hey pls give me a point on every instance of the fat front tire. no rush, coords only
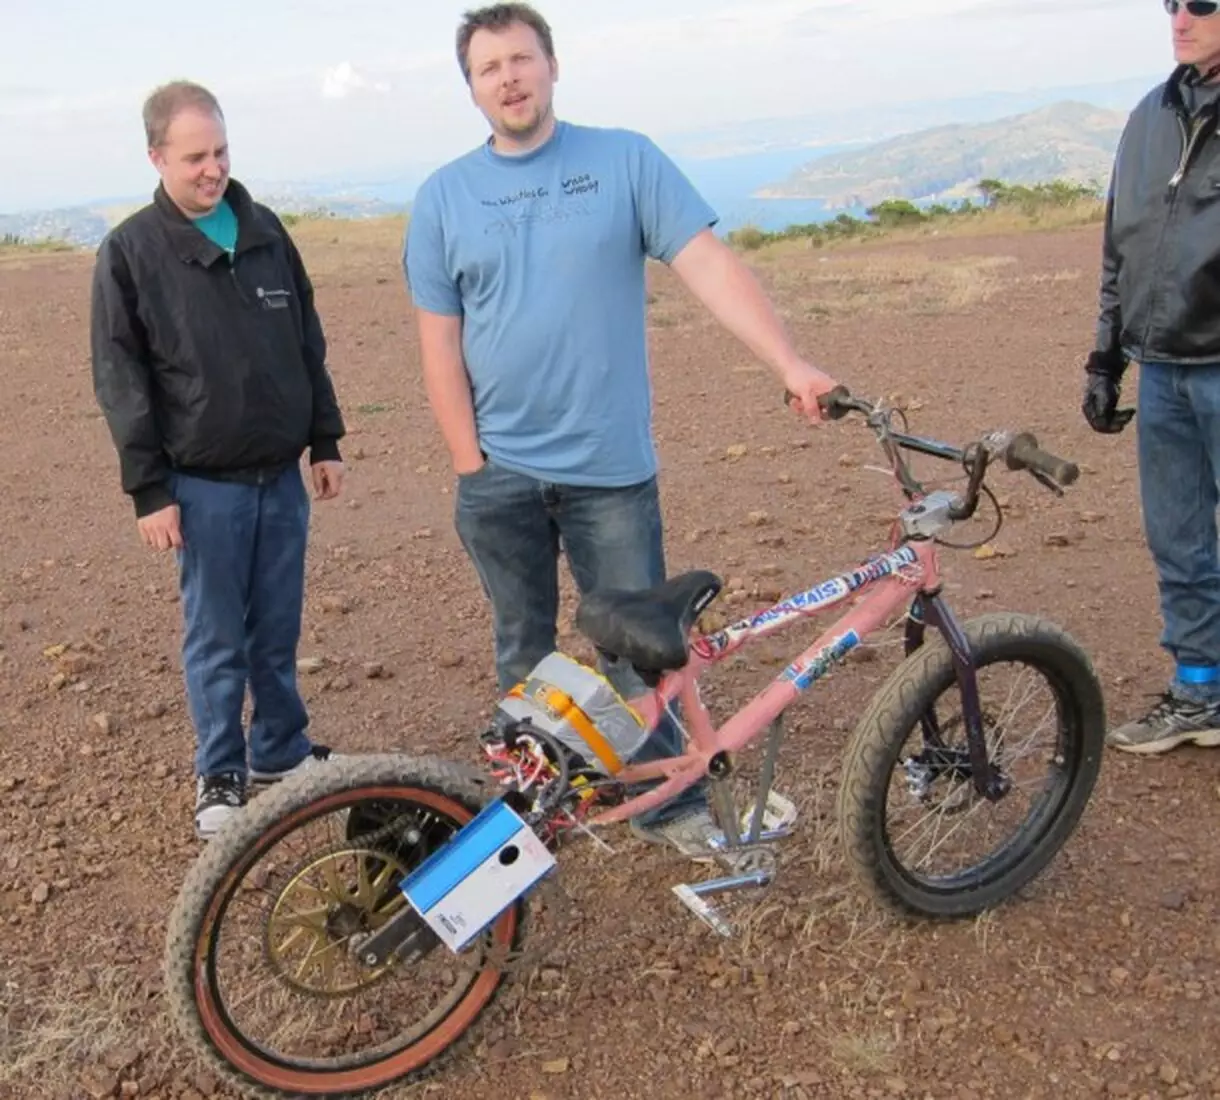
(912, 689)
(447, 790)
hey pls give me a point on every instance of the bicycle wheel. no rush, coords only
(919, 706)
(300, 894)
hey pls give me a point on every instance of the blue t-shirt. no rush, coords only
(220, 226)
(543, 256)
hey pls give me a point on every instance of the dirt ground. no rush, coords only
(1102, 979)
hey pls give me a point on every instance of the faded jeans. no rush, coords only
(242, 578)
(514, 526)
(1179, 460)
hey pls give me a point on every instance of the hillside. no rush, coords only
(85, 226)
(1068, 141)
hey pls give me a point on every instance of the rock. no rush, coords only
(985, 552)
(309, 665)
(205, 1084)
(1168, 1073)
(1174, 899)
(74, 663)
(335, 605)
(737, 450)
(154, 710)
(423, 533)
(374, 670)
(758, 518)
(99, 1082)
(449, 659)
(41, 894)
(555, 1066)
(105, 724)
(1057, 538)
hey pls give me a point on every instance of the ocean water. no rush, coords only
(728, 183)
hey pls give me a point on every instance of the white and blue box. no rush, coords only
(486, 866)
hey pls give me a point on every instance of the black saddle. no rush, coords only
(649, 628)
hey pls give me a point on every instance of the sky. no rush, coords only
(329, 89)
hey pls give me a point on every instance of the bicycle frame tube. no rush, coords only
(881, 588)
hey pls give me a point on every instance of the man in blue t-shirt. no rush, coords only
(525, 259)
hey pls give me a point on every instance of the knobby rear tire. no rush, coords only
(242, 843)
(887, 724)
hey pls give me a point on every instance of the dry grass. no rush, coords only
(833, 286)
(988, 222)
(59, 1038)
(341, 247)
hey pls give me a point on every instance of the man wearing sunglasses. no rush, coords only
(1160, 308)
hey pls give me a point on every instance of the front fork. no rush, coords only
(929, 609)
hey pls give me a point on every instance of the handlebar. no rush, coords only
(1019, 450)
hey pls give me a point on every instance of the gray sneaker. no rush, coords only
(1170, 723)
(318, 754)
(692, 834)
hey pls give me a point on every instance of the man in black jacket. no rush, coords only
(209, 363)
(1160, 308)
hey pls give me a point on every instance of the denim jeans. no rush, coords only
(1179, 460)
(242, 579)
(514, 526)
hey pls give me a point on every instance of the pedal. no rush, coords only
(779, 815)
(703, 910)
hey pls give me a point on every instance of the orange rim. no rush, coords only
(234, 1049)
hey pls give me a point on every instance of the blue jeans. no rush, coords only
(1179, 460)
(513, 528)
(242, 578)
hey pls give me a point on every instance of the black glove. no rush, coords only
(1100, 406)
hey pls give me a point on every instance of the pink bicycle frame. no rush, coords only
(879, 589)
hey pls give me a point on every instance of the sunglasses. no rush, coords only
(1200, 9)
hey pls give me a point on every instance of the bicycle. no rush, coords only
(446, 877)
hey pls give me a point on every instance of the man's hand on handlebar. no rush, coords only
(805, 385)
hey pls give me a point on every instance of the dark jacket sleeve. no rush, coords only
(328, 427)
(1109, 322)
(122, 381)
(1107, 350)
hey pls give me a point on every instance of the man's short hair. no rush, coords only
(164, 104)
(499, 17)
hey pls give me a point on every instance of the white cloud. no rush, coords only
(343, 79)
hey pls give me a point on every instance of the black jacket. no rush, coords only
(1160, 285)
(202, 365)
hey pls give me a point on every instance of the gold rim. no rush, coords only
(322, 915)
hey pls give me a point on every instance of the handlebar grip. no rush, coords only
(1024, 453)
(836, 404)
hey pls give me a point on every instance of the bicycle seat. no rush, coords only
(649, 628)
